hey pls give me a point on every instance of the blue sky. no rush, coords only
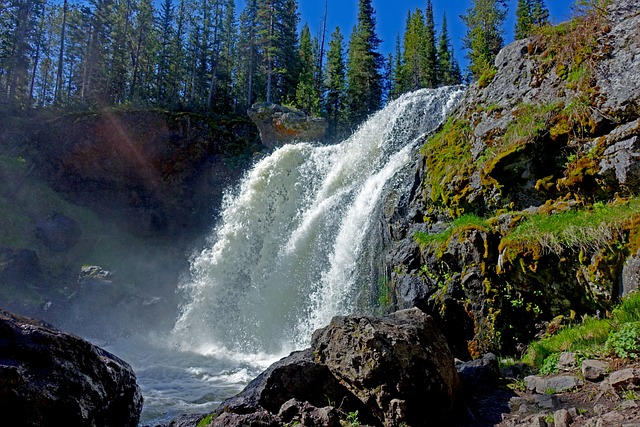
(391, 16)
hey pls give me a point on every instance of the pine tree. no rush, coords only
(523, 20)
(429, 59)
(335, 83)
(145, 58)
(96, 65)
(165, 38)
(364, 82)
(278, 43)
(19, 19)
(483, 40)
(229, 36)
(57, 98)
(397, 83)
(307, 99)
(539, 13)
(248, 81)
(288, 60)
(414, 52)
(448, 69)
(530, 13)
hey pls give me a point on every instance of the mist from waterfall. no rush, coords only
(299, 241)
(283, 259)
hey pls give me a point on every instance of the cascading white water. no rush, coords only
(284, 257)
(296, 245)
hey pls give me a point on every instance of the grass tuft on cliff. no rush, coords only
(438, 241)
(592, 337)
(587, 229)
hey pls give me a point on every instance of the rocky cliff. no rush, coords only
(525, 203)
(126, 191)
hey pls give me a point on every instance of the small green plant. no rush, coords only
(588, 338)
(352, 419)
(487, 77)
(630, 395)
(628, 310)
(625, 342)
(550, 391)
(518, 385)
(206, 421)
(550, 364)
(549, 418)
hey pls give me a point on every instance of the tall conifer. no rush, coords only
(448, 70)
(523, 20)
(484, 36)
(364, 63)
(429, 57)
(335, 83)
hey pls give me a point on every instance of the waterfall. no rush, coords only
(284, 256)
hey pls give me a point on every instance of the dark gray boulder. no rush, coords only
(50, 378)
(298, 376)
(400, 366)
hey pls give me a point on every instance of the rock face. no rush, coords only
(279, 125)
(387, 371)
(157, 172)
(552, 137)
(18, 267)
(59, 233)
(49, 378)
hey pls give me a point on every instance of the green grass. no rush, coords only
(439, 240)
(579, 229)
(590, 337)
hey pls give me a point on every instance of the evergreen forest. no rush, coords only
(206, 56)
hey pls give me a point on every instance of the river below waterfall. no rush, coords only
(296, 244)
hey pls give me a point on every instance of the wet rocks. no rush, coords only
(50, 378)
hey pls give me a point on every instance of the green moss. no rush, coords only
(487, 77)
(448, 160)
(206, 421)
(438, 241)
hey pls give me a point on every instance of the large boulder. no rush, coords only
(50, 378)
(395, 370)
(279, 125)
(400, 366)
